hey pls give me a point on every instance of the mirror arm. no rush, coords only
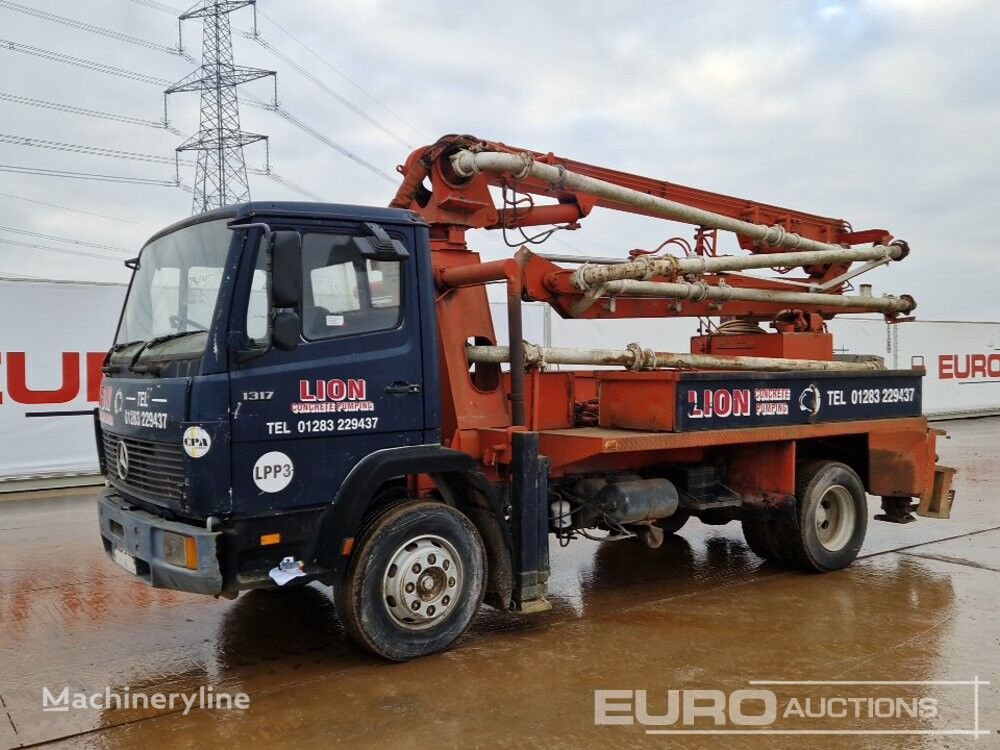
(246, 353)
(252, 225)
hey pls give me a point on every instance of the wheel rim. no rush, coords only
(422, 582)
(835, 518)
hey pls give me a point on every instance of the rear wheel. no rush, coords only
(672, 524)
(415, 581)
(830, 521)
(763, 538)
(832, 516)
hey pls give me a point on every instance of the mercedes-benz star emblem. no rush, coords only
(122, 460)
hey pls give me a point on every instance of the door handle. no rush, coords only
(400, 388)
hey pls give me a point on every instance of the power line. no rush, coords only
(20, 277)
(291, 185)
(326, 89)
(162, 82)
(8, 276)
(112, 153)
(162, 7)
(254, 101)
(81, 243)
(74, 210)
(103, 31)
(65, 251)
(339, 72)
(76, 148)
(71, 109)
(14, 169)
(81, 63)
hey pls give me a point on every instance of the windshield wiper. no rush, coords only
(156, 341)
(109, 366)
(126, 345)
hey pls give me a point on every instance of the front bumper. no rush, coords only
(140, 534)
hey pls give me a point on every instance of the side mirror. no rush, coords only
(285, 254)
(286, 328)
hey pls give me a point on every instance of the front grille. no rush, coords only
(154, 468)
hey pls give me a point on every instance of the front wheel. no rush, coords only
(415, 581)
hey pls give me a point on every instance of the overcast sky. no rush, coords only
(885, 113)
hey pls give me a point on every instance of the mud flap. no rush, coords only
(765, 507)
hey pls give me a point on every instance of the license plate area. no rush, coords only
(125, 560)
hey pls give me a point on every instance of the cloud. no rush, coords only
(883, 112)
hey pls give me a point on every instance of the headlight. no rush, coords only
(180, 550)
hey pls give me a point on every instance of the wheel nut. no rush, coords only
(416, 567)
(430, 610)
(409, 588)
(415, 606)
(451, 582)
(446, 564)
(446, 601)
(431, 559)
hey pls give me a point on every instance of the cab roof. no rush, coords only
(301, 209)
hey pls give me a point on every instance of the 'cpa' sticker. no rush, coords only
(273, 472)
(196, 441)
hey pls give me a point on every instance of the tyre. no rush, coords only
(829, 523)
(762, 538)
(672, 524)
(832, 516)
(415, 581)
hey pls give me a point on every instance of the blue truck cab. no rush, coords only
(275, 367)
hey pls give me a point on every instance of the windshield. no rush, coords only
(174, 291)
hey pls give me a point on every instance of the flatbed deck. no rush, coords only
(572, 445)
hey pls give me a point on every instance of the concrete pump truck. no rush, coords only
(308, 392)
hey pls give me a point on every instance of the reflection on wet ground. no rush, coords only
(701, 612)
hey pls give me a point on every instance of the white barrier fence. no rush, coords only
(54, 336)
(962, 359)
(52, 342)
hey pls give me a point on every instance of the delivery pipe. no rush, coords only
(635, 357)
(699, 291)
(671, 267)
(510, 270)
(468, 163)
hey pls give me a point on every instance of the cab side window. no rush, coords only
(257, 310)
(347, 293)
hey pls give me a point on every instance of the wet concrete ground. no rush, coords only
(700, 613)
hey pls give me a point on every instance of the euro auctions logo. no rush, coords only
(806, 707)
(741, 708)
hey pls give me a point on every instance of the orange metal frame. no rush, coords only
(479, 415)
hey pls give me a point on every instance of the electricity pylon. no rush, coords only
(221, 172)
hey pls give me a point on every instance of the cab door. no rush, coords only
(302, 419)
